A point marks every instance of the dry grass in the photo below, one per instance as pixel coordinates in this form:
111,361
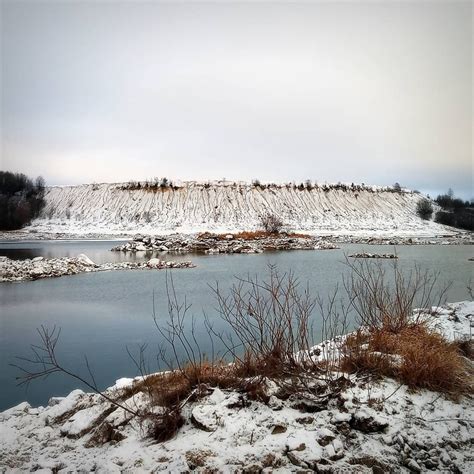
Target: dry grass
416,356
169,389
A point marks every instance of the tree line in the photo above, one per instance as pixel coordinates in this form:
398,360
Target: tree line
21,199
454,211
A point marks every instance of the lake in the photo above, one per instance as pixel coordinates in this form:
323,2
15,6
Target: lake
101,314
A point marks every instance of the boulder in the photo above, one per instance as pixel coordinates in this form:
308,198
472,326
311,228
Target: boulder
154,263
367,424
85,260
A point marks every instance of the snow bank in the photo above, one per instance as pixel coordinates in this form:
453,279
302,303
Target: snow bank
367,428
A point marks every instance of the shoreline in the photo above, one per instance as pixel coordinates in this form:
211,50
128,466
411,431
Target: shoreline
458,238
383,427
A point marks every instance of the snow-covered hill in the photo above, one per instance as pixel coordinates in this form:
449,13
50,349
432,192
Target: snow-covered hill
218,206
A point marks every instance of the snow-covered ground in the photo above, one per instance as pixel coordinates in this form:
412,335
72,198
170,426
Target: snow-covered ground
375,427
223,207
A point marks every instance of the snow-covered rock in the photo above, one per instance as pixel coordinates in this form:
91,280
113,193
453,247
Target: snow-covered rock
20,270
85,260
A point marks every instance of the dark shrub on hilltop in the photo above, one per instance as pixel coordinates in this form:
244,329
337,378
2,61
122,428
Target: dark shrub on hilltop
21,199
424,209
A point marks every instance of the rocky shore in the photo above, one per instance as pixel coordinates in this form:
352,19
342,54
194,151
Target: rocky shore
223,243
373,255
462,238
40,267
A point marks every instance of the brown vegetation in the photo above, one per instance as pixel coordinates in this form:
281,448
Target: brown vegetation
416,356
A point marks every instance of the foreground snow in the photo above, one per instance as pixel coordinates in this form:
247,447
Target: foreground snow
195,207
370,427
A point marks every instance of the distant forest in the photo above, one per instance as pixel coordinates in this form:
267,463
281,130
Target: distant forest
455,212
21,199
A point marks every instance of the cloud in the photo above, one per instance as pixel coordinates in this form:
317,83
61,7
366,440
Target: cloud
354,92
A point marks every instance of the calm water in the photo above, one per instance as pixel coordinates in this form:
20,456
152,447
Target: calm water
103,313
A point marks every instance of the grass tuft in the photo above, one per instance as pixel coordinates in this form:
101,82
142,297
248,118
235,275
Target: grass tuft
416,356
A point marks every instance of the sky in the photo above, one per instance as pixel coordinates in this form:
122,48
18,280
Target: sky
376,92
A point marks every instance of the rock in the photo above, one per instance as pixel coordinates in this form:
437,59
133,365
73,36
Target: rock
275,403
278,429
140,248
325,436
200,246
36,272
37,259
21,270
305,420
104,433
413,465
85,260
367,424
55,401
300,447
373,255
431,463
205,418
154,263
17,410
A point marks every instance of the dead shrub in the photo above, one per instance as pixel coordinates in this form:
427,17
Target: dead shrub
385,296
271,223
358,358
416,356
269,324
466,348
430,361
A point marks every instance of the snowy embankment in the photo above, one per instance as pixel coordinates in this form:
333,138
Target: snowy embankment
222,207
39,267
372,427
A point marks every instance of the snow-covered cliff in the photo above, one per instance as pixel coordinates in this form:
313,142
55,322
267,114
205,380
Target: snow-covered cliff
217,206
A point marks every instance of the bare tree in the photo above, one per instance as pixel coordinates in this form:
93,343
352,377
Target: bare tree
44,362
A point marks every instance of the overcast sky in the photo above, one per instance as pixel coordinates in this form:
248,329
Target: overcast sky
356,92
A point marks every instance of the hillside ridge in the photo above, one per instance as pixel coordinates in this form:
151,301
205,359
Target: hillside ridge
223,206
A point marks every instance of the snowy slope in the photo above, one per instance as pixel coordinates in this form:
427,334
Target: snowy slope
226,207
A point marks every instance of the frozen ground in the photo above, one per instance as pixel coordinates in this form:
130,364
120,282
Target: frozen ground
371,427
107,209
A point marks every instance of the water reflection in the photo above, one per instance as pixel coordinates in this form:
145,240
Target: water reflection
102,313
